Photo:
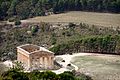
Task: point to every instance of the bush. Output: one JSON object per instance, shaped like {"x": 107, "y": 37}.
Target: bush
{"x": 71, "y": 25}
{"x": 14, "y": 74}
{"x": 53, "y": 40}
{"x": 93, "y": 44}
{"x": 34, "y": 29}
{"x": 17, "y": 22}
{"x": 12, "y": 19}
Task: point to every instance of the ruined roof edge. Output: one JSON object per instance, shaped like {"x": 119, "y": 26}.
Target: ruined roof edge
{"x": 40, "y": 49}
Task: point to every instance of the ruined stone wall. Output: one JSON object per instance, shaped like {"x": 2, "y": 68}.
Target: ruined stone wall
{"x": 35, "y": 59}
{"x": 24, "y": 58}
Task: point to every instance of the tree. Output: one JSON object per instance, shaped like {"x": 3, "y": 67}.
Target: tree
{"x": 113, "y": 6}
{"x": 3, "y": 9}
{"x": 30, "y": 8}
{"x": 34, "y": 29}
{"x": 12, "y": 9}
{"x": 66, "y": 76}
{"x": 14, "y": 75}
{"x": 33, "y": 2}
{"x": 84, "y": 4}
{"x": 78, "y": 5}
{"x": 60, "y": 5}
{"x": 23, "y": 9}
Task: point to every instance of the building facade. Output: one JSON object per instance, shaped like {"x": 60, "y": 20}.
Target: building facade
{"x": 34, "y": 57}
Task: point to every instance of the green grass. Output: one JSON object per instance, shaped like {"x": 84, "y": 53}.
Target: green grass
{"x": 99, "y": 67}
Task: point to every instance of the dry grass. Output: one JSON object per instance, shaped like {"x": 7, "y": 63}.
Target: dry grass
{"x": 102, "y": 19}
{"x": 102, "y": 67}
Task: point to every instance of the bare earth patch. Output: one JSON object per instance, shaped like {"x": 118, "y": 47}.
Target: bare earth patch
{"x": 102, "y": 19}
{"x": 100, "y": 67}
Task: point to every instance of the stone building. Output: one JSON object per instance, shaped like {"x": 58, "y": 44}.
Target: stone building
{"x": 34, "y": 57}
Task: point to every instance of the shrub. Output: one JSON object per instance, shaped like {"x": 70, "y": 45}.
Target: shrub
{"x": 14, "y": 74}
{"x": 17, "y": 22}
{"x": 53, "y": 41}
{"x": 66, "y": 76}
{"x": 34, "y": 29}
{"x": 71, "y": 25}
{"x": 12, "y": 19}
{"x": 68, "y": 33}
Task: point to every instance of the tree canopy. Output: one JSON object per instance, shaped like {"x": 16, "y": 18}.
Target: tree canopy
{"x": 30, "y": 8}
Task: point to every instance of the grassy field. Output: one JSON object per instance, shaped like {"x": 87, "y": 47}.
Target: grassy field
{"x": 102, "y": 67}
{"x": 102, "y": 19}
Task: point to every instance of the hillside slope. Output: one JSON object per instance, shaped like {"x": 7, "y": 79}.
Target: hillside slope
{"x": 102, "y": 19}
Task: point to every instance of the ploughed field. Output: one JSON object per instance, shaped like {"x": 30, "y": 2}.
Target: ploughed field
{"x": 102, "y": 19}
{"x": 99, "y": 67}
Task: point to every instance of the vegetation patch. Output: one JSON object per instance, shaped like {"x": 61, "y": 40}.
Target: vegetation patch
{"x": 104, "y": 44}
{"x": 30, "y": 8}
{"x": 65, "y": 39}
{"x": 47, "y": 75}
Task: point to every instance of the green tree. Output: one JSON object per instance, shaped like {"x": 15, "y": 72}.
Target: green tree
{"x": 12, "y": 9}
{"x": 66, "y": 76}
{"x": 3, "y": 9}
